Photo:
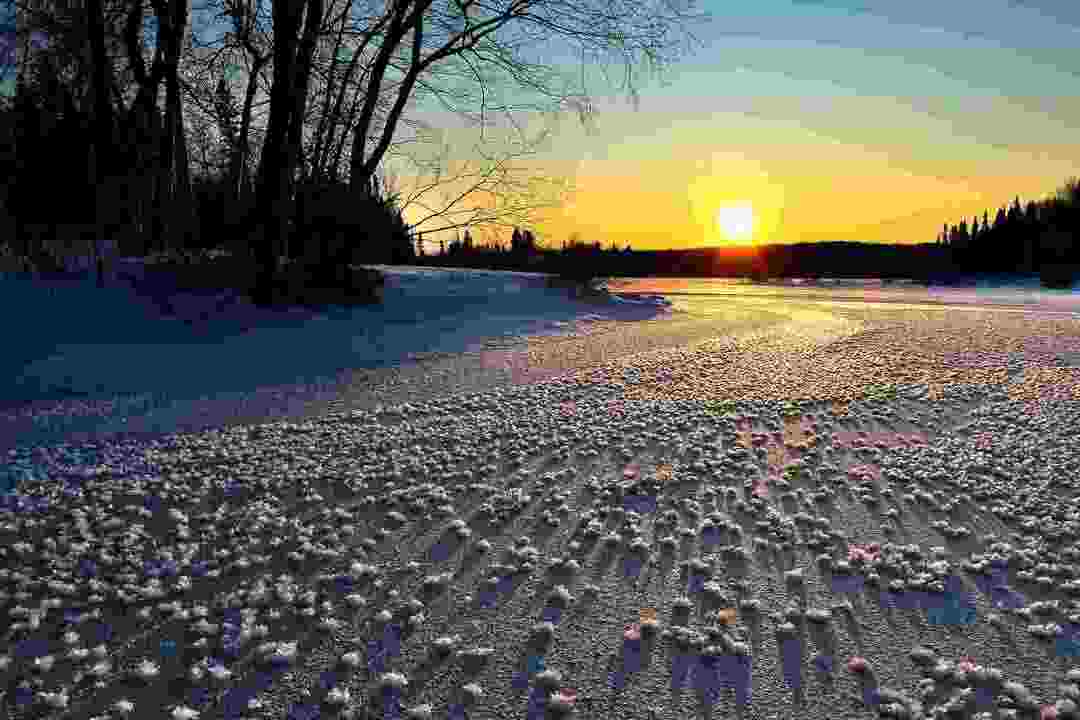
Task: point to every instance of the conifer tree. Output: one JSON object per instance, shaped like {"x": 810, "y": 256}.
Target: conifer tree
{"x": 1014, "y": 211}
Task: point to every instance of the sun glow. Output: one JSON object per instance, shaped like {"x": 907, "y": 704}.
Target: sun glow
{"x": 736, "y": 222}
{"x": 734, "y": 203}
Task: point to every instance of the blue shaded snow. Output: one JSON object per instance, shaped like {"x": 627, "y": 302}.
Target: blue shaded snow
{"x": 71, "y": 341}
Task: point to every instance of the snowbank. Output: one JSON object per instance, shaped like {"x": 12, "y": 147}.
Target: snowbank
{"x": 73, "y": 340}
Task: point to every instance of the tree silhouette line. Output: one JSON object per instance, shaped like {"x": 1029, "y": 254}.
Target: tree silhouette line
{"x": 1040, "y": 236}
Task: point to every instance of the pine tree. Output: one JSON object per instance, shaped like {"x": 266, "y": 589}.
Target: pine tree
{"x": 1014, "y": 211}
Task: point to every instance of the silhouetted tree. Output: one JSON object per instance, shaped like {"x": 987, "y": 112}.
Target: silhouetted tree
{"x": 1013, "y": 216}
{"x": 1023, "y": 237}
{"x": 999, "y": 219}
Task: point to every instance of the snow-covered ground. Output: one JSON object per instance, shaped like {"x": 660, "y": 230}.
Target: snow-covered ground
{"x": 86, "y": 360}
{"x": 820, "y": 512}
{"x": 74, "y": 341}
{"x": 1016, "y": 291}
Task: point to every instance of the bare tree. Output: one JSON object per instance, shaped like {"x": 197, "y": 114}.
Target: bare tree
{"x": 244, "y": 23}
{"x": 292, "y": 56}
{"x": 467, "y": 29}
{"x": 368, "y": 63}
{"x": 209, "y": 80}
{"x": 490, "y": 194}
{"x": 419, "y": 38}
{"x": 175, "y": 183}
{"x": 101, "y": 157}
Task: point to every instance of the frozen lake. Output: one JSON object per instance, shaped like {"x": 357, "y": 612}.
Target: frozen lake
{"x": 89, "y": 363}
{"x": 1019, "y": 294}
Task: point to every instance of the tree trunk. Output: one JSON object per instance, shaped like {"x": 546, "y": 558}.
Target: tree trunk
{"x": 312, "y": 21}
{"x": 100, "y": 165}
{"x": 238, "y": 163}
{"x": 274, "y": 172}
{"x": 183, "y": 174}
{"x": 360, "y": 171}
{"x": 172, "y": 22}
{"x": 288, "y": 98}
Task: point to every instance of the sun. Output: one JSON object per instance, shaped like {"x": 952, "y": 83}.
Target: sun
{"x": 736, "y": 222}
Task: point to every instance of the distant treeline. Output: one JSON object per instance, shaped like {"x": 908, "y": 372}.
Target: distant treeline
{"x": 1042, "y": 237}
{"x": 834, "y": 259}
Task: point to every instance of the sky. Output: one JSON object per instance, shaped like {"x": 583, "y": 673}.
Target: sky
{"x": 831, "y": 120}
{"x": 803, "y": 120}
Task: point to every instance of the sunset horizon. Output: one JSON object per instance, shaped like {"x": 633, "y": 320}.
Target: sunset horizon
{"x": 833, "y": 121}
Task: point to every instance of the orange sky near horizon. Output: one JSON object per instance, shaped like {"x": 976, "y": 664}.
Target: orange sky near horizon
{"x": 864, "y": 196}
{"x": 832, "y": 121}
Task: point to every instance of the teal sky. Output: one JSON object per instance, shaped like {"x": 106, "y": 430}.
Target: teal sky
{"x": 872, "y": 121}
